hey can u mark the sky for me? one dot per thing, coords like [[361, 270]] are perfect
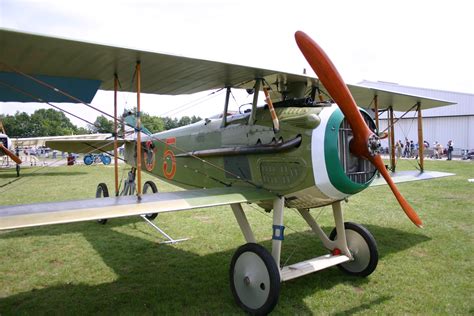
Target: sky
[[417, 43]]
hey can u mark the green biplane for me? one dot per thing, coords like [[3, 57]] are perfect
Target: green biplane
[[292, 151]]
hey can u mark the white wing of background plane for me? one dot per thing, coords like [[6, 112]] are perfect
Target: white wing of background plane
[[41, 141]]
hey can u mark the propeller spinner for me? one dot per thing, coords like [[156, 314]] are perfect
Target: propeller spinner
[[365, 143]]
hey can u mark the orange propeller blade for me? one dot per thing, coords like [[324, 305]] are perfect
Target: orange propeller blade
[[10, 154], [332, 80], [359, 146], [409, 211]]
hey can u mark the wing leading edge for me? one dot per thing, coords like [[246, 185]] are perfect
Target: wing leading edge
[[411, 175], [29, 215]]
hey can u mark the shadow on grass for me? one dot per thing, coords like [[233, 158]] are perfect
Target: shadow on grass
[[364, 306], [45, 173], [157, 278]]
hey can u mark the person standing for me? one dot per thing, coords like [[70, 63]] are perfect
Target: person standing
[[450, 149], [398, 148]]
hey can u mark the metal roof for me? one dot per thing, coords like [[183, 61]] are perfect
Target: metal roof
[[463, 102]]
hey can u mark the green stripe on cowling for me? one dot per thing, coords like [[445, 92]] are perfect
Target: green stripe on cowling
[[331, 155]]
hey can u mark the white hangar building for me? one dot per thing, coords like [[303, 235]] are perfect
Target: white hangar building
[[453, 122]]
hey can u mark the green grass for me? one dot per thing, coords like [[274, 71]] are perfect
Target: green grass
[[121, 268]]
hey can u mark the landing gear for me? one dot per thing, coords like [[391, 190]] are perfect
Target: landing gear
[[363, 248], [147, 187], [129, 189], [254, 279], [102, 191]]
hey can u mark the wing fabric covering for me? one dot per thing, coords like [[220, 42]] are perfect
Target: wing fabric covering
[[75, 67], [29, 215], [83, 145], [411, 175]]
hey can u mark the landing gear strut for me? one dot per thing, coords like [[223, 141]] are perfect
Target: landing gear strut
[[255, 273], [149, 187], [363, 248]]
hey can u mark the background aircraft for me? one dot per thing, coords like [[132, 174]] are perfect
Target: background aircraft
[[292, 152], [6, 148]]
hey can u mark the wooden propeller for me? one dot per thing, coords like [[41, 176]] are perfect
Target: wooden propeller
[[10, 154], [365, 143]]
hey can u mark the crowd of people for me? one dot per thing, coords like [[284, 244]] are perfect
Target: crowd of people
[[410, 149]]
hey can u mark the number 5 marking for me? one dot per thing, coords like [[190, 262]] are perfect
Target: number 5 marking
[[169, 160]]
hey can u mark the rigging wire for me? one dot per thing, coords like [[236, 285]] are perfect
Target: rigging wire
[[55, 89], [394, 122], [192, 103]]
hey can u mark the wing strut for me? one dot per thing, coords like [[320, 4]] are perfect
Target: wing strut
[[139, 135], [276, 123], [115, 136]]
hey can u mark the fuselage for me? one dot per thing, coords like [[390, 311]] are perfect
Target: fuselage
[[307, 160]]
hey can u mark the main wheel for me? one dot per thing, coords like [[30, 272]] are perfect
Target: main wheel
[[254, 279], [147, 187], [363, 248], [88, 160], [102, 191]]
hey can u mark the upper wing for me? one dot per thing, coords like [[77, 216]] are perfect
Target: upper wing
[[161, 73], [28, 215], [80, 68], [364, 97], [411, 175]]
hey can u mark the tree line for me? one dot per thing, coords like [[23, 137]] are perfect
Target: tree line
[[50, 122]]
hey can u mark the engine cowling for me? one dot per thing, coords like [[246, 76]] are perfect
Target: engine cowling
[[338, 173]]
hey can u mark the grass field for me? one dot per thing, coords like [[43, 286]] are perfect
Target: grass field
[[120, 268]]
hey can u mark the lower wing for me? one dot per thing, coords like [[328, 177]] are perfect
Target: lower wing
[[411, 175], [28, 215]]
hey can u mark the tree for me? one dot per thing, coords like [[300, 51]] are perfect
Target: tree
[[154, 124], [195, 119], [170, 123], [49, 122], [185, 120], [102, 125], [82, 131], [43, 122], [17, 125]]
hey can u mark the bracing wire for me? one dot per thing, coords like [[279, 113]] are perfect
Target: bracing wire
[[122, 121]]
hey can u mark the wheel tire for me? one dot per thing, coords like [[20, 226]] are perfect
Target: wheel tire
[[106, 160], [102, 191], [150, 185], [254, 279], [363, 248], [88, 160]]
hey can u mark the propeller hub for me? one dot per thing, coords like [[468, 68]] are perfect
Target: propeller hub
[[373, 145]]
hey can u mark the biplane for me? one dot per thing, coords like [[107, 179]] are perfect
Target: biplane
[[299, 150], [6, 147]]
